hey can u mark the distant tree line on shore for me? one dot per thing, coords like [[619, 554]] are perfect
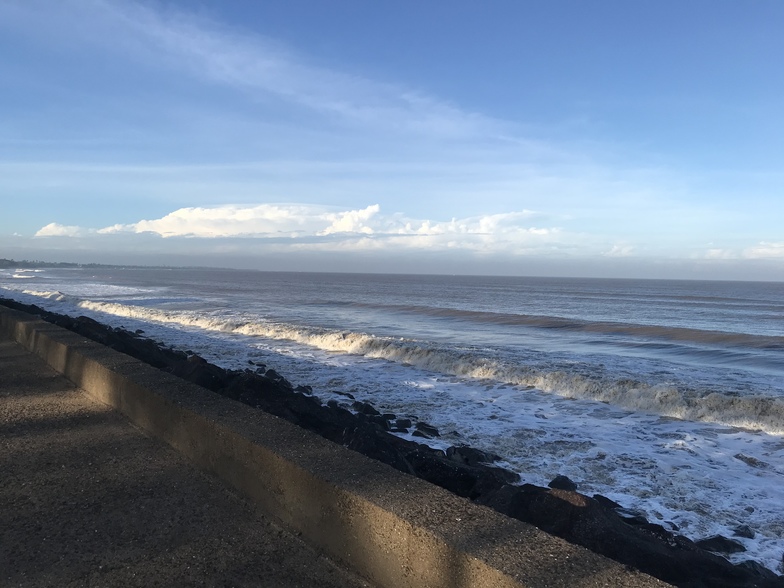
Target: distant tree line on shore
[[7, 263], [27, 263]]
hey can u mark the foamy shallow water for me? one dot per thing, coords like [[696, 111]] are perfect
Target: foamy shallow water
[[699, 477]]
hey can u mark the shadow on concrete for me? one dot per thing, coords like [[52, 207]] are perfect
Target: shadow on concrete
[[88, 499]]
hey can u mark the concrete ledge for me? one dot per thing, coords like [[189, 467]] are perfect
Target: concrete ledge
[[394, 529]]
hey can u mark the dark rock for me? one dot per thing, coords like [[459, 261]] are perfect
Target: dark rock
[[470, 456], [365, 408], [720, 544], [562, 483], [303, 389], [346, 394], [492, 479], [180, 355], [380, 421], [403, 423], [631, 517], [752, 461], [743, 531], [758, 570], [389, 416], [425, 430], [277, 378], [198, 371], [443, 472], [464, 480], [653, 550], [380, 446], [606, 502]]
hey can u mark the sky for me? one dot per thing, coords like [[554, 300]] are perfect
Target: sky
[[601, 139]]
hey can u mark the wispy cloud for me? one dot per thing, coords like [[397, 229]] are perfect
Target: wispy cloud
[[258, 64], [198, 47]]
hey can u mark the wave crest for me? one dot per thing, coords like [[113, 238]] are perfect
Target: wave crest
[[55, 295], [750, 412]]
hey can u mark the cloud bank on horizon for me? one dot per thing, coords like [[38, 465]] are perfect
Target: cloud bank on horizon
[[319, 227], [246, 133]]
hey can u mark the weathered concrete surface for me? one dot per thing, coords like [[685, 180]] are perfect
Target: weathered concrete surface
[[391, 528], [87, 499]]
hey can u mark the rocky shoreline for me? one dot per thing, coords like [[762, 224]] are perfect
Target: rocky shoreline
[[596, 522]]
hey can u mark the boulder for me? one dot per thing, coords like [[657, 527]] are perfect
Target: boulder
[[425, 430], [562, 483], [365, 408], [470, 456], [403, 423], [720, 544], [743, 531]]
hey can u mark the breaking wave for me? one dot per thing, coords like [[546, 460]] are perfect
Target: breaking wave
[[751, 412], [55, 296]]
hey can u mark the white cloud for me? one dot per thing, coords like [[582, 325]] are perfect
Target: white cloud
[[765, 250], [58, 230], [716, 253], [303, 220], [619, 251], [352, 221], [264, 220], [313, 227]]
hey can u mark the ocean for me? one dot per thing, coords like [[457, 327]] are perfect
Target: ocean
[[665, 396]]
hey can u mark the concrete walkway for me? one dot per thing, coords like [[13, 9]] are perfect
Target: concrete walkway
[[87, 499]]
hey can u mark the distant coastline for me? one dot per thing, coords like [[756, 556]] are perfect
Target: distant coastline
[[7, 263], [35, 264]]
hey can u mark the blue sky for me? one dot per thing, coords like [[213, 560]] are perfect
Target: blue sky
[[606, 138]]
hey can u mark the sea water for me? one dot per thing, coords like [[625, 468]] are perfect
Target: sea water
[[665, 396]]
